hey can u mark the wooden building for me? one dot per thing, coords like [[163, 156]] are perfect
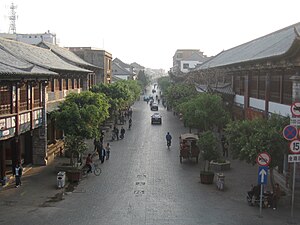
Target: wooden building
[[261, 76], [33, 81]]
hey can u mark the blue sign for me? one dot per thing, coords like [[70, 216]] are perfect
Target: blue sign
[[262, 175], [290, 132]]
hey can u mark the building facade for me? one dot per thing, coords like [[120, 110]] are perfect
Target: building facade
[[97, 57], [33, 81]]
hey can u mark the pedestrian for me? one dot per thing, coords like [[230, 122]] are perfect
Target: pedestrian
[[122, 133], [224, 144], [129, 123], [276, 196], [95, 144], [103, 153], [117, 133], [18, 174], [101, 136], [107, 149], [99, 149]]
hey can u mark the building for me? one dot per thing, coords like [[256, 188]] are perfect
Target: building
[[185, 60], [122, 70], [33, 81], [97, 57], [32, 39], [259, 78]]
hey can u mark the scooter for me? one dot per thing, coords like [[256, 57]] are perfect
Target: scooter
[[168, 144]]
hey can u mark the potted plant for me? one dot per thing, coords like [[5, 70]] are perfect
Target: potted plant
[[208, 145]]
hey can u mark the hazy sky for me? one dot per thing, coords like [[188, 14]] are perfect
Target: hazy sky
[[150, 31]]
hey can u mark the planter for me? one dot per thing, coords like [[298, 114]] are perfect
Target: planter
[[207, 177], [74, 175], [220, 166]]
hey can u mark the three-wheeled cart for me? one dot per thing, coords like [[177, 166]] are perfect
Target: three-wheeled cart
[[188, 146]]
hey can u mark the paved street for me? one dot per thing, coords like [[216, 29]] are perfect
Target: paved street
[[142, 183]]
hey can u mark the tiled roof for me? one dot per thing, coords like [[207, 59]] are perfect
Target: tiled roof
[[38, 56], [12, 65], [275, 44], [67, 54]]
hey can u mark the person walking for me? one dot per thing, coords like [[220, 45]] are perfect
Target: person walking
[[122, 133], [101, 136], [276, 196], [117, 133], [107, 149], [129, 123], [18, 174]]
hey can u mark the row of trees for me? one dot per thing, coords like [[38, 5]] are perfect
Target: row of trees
[[81, 115], [207, 113]]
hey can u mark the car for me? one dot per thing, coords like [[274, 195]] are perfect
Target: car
[[146, 98], [156, 118], [154, 106]]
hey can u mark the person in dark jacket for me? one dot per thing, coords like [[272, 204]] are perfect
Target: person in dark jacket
[[18, 170]]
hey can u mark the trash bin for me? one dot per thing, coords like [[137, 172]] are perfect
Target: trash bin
[[220, 181], [61, 179]]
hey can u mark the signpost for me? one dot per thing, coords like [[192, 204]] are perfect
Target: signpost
[[263, 159]]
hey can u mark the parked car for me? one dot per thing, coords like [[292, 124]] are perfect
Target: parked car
[[154, 106], [156, 118]]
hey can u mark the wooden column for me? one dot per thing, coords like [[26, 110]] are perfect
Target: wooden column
[[267, 94]]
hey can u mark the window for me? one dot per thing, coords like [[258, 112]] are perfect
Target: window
[[186, 66], [275, 89], [5, 99], [253, 90], [261, 86], [287, 90]]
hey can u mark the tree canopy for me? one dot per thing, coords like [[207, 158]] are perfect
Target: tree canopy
[[204, 112], [81, 114], [247, 138]]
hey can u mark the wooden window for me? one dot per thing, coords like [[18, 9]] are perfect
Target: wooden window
[[23, 98], [64, 83], [287, 90], [5, 99], [37, 97], [261, 86], [75, 83], [275, 89], [56, 85], [253, 90], [70, 84]]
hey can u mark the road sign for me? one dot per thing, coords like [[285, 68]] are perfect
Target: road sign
[[294, 158], [263, 159], [295, 146], [295, 121], [262, 175], [290, 132], [295, 109]]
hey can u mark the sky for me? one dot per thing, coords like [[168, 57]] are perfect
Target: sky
[[150, 31]]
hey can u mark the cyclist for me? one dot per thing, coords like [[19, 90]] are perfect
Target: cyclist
[[169, 139], [89, 162]]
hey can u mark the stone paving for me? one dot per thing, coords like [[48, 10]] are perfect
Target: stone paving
[[142, 183]]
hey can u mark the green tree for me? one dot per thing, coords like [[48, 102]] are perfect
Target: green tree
[[143, 78], [204, 112], [208, 145], [248, 138], [80, 116], [179, 93], [164, 83]]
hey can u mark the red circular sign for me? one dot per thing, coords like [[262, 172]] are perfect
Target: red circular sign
[[263, 159], [295, 109]]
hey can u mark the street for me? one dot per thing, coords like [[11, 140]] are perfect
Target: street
[[143, 183]]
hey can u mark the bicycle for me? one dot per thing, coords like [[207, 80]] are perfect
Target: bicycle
[[95, 169]]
